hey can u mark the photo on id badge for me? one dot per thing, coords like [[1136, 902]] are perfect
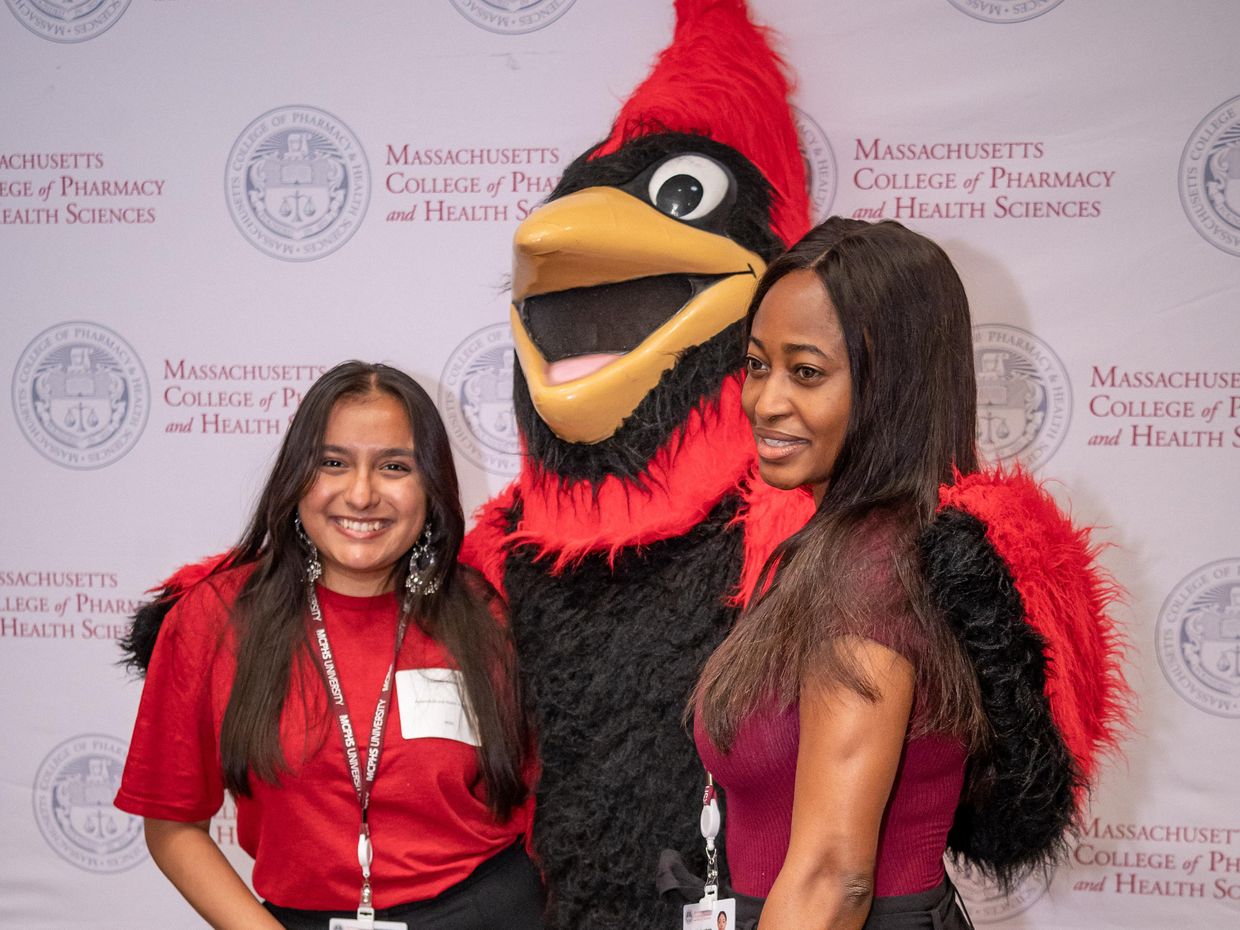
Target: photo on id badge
[[715, 915]]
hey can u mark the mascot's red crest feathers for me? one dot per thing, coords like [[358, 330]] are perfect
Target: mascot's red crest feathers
[[1065, 596], [721, 79]]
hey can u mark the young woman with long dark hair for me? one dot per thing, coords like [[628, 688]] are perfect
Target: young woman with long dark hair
[[841, 711], [343, 598]]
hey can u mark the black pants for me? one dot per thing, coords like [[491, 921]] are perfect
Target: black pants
[[503, 893], [936, 909]]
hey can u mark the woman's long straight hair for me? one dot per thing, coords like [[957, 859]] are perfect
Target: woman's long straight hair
[[269, 616], [912, 422]]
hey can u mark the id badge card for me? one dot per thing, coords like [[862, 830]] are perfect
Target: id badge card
[[352, 923], [431, 703], [711, 915]]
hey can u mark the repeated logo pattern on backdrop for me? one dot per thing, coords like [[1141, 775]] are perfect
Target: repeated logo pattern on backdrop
[[821, 174], [1024, 398], [1210, 177], [512, 17], [987, 904], [1198, 638], [68, 20], [159, 336], [297, 183], [73, 791], [1005, 11], [475, 398], [81, 395]]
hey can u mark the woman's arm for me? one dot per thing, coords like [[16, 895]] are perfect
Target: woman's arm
[[197, 867], [849, 752]]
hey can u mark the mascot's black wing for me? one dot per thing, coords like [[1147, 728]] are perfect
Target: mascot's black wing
[[1020, 588]]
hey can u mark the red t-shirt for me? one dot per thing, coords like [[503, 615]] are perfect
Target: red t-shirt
[[429, 827]]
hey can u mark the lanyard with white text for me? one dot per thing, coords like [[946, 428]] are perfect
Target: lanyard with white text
[[363, 782]]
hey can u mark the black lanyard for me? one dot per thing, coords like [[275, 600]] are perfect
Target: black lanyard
[[363, 777]]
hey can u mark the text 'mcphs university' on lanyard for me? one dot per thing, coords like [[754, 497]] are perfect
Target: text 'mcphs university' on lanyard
[[363, 775]]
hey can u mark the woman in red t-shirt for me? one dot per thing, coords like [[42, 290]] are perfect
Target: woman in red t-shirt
[[839, 713], [352, 686]]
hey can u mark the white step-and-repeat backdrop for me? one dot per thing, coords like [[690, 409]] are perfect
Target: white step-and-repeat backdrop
[[1079, 159]]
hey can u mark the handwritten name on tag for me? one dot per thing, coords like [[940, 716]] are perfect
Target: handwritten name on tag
[[431, 703]]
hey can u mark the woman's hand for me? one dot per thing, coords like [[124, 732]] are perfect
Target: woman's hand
[[197, 867], [849, 751]]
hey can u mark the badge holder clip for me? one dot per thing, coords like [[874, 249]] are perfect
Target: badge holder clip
[[710, 822], [365, 854], [707, 914]]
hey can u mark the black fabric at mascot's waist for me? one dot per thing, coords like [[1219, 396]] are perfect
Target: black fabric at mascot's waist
[[936, 909], [609, 654]]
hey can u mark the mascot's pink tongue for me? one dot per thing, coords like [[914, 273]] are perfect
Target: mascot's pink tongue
[[569, 369]]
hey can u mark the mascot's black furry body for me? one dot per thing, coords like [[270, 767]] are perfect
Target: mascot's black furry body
[[638, 525]]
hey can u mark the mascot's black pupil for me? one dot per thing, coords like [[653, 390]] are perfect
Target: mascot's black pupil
[[679, 195]]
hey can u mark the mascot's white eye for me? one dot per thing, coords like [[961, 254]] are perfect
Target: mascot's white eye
[[688, 187]]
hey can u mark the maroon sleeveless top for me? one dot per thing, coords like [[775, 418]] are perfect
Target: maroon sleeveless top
[[758, 774], [757, 778]]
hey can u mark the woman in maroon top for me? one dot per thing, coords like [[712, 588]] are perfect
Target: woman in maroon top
[[272, 678], [839, 713]]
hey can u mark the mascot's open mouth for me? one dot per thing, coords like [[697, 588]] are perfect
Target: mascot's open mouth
[[582, 329], [607, 318]]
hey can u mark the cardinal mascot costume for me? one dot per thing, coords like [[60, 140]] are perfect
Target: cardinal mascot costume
[[638, 522], [638, 527]]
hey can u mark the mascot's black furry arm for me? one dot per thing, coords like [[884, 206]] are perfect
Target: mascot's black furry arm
[[638, 523], [1018, 584]]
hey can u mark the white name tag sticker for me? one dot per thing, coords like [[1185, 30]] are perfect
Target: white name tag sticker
[[352, 923], [431, 704], [716, 915]]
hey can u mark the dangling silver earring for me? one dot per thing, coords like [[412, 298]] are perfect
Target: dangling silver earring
[[421, 578], [314, 568]]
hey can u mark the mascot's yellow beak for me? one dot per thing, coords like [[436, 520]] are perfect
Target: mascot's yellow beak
[[593, 250]]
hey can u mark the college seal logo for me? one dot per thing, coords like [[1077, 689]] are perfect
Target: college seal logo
[[81, 395], [1024, 400], [1210, 177], [73, 793], [297, 183], [1198, 638], [1005, 11], [820, 171], [68, 20], [475, 396], [987, 904], [512, 17]]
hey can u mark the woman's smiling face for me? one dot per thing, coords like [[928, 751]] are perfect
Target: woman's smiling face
[[798, 385], [367, 504]]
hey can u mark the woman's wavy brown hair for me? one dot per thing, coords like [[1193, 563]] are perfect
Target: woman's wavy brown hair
[[270, 612], [906, 326]]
